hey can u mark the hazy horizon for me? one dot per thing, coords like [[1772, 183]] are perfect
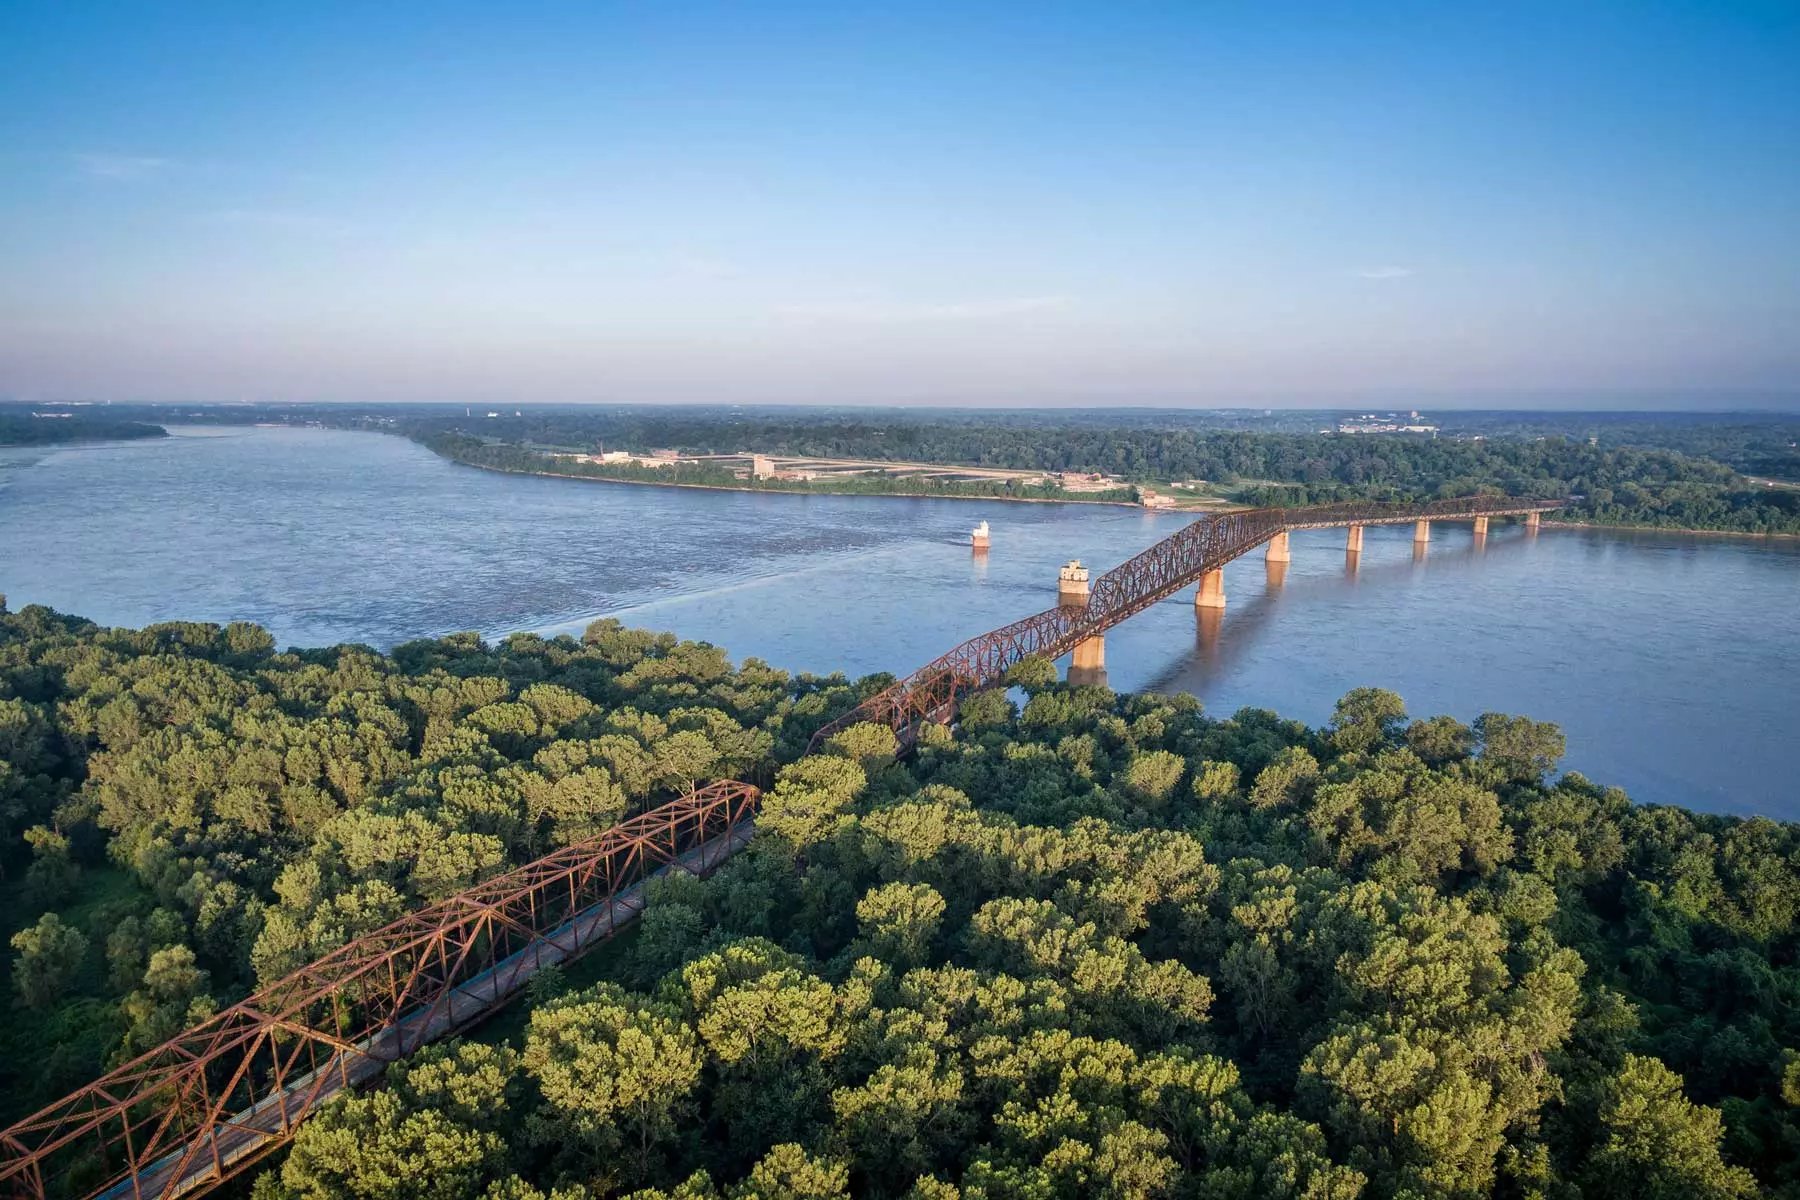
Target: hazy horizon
[[1532, 206]]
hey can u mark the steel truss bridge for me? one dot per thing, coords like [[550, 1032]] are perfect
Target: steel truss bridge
[[931, 693], [217, 1098]]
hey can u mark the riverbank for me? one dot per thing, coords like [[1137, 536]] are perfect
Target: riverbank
[[1197, 511], [1727, 533], [812, 491]]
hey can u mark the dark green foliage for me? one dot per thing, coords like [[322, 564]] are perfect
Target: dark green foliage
[[200, 813], [1104, 945]]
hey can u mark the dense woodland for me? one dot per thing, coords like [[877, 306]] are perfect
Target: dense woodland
[[23, 429], [1079, 944], [1605, 484]]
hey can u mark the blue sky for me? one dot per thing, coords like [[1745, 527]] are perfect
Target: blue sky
[[1478, 203]]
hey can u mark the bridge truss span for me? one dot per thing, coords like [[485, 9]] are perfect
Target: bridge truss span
[[931, 693], [215, 1099]]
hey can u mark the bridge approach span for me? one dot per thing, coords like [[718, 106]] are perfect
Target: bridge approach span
[[217, 1098]]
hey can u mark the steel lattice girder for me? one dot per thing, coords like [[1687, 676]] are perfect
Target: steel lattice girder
[[215, 1098], [931, 692]]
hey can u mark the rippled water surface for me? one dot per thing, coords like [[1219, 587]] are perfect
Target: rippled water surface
[[1673, 663]]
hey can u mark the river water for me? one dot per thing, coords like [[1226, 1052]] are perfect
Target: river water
[[1673, 663]]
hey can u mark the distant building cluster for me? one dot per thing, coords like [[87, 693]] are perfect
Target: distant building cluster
[[781, 468], [1383, 423], [1150, 498], [1078, 481], [613, 458]]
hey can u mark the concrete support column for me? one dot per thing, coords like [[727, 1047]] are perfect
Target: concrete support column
[[1421, 531], [1212, 589], [1087, 666], [1089, 656], [1481, 526], [1532, 521], [1353, 539], [1278, 548]]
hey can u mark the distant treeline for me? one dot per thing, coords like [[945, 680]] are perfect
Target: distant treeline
[[1660, 470], [17, 430], [501, 456], [1609, 485]]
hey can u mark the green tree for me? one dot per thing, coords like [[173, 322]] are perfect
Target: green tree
[[1032, 674], [51, 877], [616, 1074], [1517, 748], [1658, 1145], [900, 921], [50, 953], [788, 1172], [1365, 720]]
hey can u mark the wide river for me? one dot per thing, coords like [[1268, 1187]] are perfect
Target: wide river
[[1673, 663]]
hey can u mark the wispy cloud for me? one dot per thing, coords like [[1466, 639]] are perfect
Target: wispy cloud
[[121, 166], [1384, 272], [873, 313]]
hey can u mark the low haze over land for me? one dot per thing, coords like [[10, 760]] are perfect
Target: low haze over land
[[1535, 204]]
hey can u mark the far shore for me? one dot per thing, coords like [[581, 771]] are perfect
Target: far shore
[[1730, 533], [713, 487], [718, 487]]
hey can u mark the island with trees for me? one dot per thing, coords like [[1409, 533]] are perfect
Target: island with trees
[[1076, 944]]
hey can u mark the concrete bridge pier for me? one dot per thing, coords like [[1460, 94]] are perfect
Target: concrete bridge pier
[[1276, 570], [1353, 539], [1212, 589], [1481, 526], [1421, 532], [1087, 666], [1533, 521], [1278, 549]]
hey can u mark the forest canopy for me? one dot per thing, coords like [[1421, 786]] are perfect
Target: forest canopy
[[1078, 944]]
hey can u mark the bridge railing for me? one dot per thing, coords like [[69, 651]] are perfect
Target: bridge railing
[[214, 1099], [931, 693]]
